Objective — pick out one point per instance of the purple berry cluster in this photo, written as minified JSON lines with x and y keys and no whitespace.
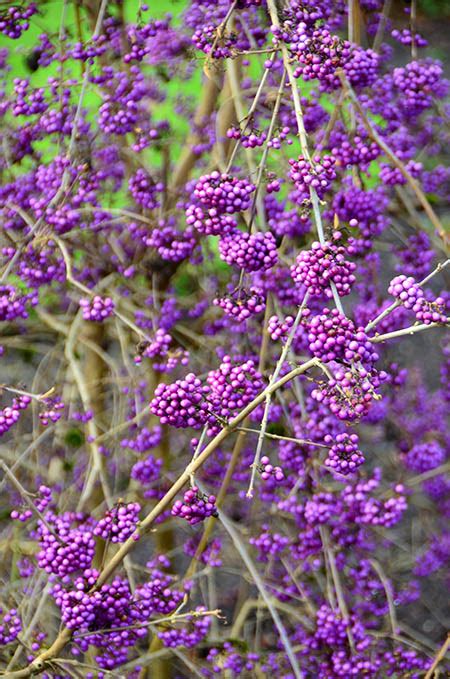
{"x":280,"y":329}
{"x":370,"y":510}
{"x":147,"y":470}
{"x":51,"y":410}
{"x":232,"y":386}
{"x":97,"y":309}
{"x":317,"y":174}
{"x":405,"y":289}
{"x":241,"y":304}
{"x":269,"y":543}
{"x":207,"y":40}
{"x":344,"y":455}
{"x":410,"y":294}
{"x":43,"y":499}
{"x":406,"y":37}
{"x":249,"y":141}
{"x":416,"y":83}
{"x":267,"y":470}
{"x":195,"y":631}
{"x":182,"y":403}
{"x":350,"y":392}
{"x":319,"y":52}
{"x":171,"y":244}
{"x":210,"y":221}
{"x":13,"y":304}
{"x":119,"y":523}
{"x":11,"y":414}
{"x":195,"y":506}
{"x":68,"y":547}
{"x":144,"y":190}
{"x":10,"y":626}
{"x":249,"y":251}
{"x":14,"y":20}
{"x":333,"y":337}
{"x":111,"y":607}
{"x":322,"y":264}
{"x":423,"y":457}
{"x":224,"y":192}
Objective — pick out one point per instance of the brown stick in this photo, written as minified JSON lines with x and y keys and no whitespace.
{"x":440,"y":656}
{"x":210,"y":93}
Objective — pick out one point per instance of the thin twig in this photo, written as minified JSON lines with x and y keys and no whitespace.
{"x":439,"y":657}
{"x":423,"y":200}
{"x":238,"y":543}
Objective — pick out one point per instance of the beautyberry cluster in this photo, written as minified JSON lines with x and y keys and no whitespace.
{"x":10,"y":414}
{"x":322,"y":264}
{"x":344,"y":455}
{"x":249,"y":251}
{"x":119,"y":522}
{"x":195,"y":506}
{"x":333,"y":337}
{"x":317,"y":174}
{"x":10,"y":626}
{"x":66,"y":543}
{"x":241,"y":304}
{"x":43,"y":499}
{"x":97,"y":308}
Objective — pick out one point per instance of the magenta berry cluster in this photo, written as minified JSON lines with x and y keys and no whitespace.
{"x":10,"y":626}
{"x":41,"y":502}
{"x":249,"y":251}
{"x":182,"y":403}
{"x":195,"y":630}
{"x":9,"y":415}
{"x":232,"y":386}
{"x":224,"y":192}
{"x":14,"y":19}
{"x":405,"y":289}
{"x":279,"y":329}
{"x":66,"y":543}
{"x":317,"y":174}
{"x":119,"y":522}
{"x":322,"y":265}
{"x":242,"y":304}
{"x":195,"y":506}
{"x":411,"y":296}
{"x":51,"y":410}
{"x":97,"y":309}
{"x":423,"y":457}
{"x":344,"y":455}
{"x":350,"y":392}
{"x":145,"y":190}
{"x":210,"y":221}
{"x":267,"y":470}
{"x":334,"y":337}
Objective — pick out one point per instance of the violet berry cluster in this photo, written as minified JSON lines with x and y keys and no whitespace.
{"x":119,"y":522}
{"x":41,"y":502}
{"x":410,"y":294}
{"x":97,"y":309}
{"x":249,"y":251}
{"x":344,"y":455}
{"x":317,"y":174}
{"x":241,"y":304}
{"x":334,"y":337}
{"x":324,"y":264}
{"x":195,"y":506}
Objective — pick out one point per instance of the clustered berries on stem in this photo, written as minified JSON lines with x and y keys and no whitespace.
{"x":202,"y":356}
